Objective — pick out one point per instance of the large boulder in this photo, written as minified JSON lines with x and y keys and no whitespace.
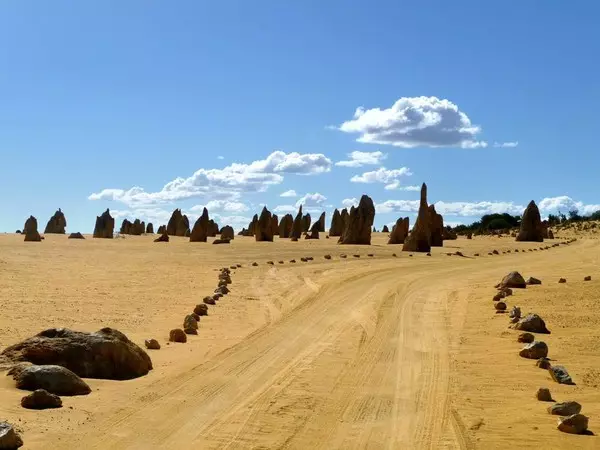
{"x":399,"y":231}
{"x":9,"y":438}
{"x":227,"y":232}
{"x":251,"y":227}
{"x":298,"y":225}
{"x":264,"y":227}
{"x":149,"y":228}
{"x":534,"y":350}
{"x":532,"y":323}
{"x":512,"y":280}
{"x":358,"y":227}
{"x":574,"y":424}
{"x":178,"y":225}
{"x":436,"y":228}
{"x":105,"y":226}
{"x":30,"y":230}
{"x":285,"y":226}
{"x":335,"y":229}
{"x":41,"y":399}
{"x":107,"y":353}
{"x":55,"y":379}
{"x":560,"y":375}
{"x":419,"y":238}
{"x":531,"y":229}
{"x":56,"y":224}
{"x":200,"y":231}
{"x":275,"y":225}
{"x":564,"y":409}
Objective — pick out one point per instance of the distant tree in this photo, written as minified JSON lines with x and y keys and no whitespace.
{"x":574,"y":216}
{"x":553,"y":219}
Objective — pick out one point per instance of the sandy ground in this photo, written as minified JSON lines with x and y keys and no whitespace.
{"x":370,"y":352}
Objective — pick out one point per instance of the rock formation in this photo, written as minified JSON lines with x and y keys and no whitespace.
{"x":162,"y":229}
{"x":125,"y":227}
{"x":344,"y":219}
{"x":41,"y":399}
{"x":399,"y":231}
{"x":164,"y":237}
{"x":335,"y":229}
{"x":105,"y":226}
{"x":30,"y":230}
{"x":321,"y":222}
{"x":419,"y":238}
{"x":263,"y":230}
{"x":227,"y":232}
{"x":77,"y":235}
{"x":285,"y":226}
{"x":436,"y":228}
{"x":275,"y":225}
{"x":251,"y":227}
{"x":200,"y":231}
{"x":178,"y":225}
{"x":298,"y":225}
{"x":314,"y":231}
{"x":149,"y":228}
{"x":213,"y":228}
{"x":9,"y":438}
{"x":385,"y":229}
{"x":53,"y":378}
{"x":57,"y":223}
{"x":306,"y":221}
{"x":106,"y":353}
{"x":448,"y":234}
{"x":531,"y":229}
{"x":357,"y":229}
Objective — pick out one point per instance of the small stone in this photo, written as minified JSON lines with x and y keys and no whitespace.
{"x":356,"y":256}
{"x":560,"y":375}
{"x":201,"y":309}
{"x":292,"y":261}
{"x":9,"y":438}
{"x":152,"y":344}
{"x":190,"y":325}
{"x":532,"y":281}
{"x":575,"y":424}
{"x":428,"y":254}
{"x":370,"y":255}
{"x":543,"y":395}
{"x":588,"y":278}
{"x":209,"y":300}
{"x":543,"y":363}
{"x":562,"y":280}
{"x":327,"y":256}
{"x":280,"y":262}
{"x":534,"y":350}
{"x":526,"y":338}
{"x":343,"y":256}
{"x":500,"y":306}
{"x":564,"y":409}
{"x":177,"y":335}
{"x":270,"y":263}
{"x":41,"y":399}
{"x":255,"y":264}
{"x":499,"y":296}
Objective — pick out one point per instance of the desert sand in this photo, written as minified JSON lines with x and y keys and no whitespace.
{"x":370,"y":352}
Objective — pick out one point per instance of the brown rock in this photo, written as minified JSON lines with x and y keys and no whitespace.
{"x":178,"y":225}
{"x":298,"y":225}
{"x":321,"y":223}
{"x":164,"y":237}
{"x":149,"y":228}
{"x":275,"y":225}
{"x":77,"y":235}
{"x":543,"y":395}
{"x":587,"y":278}
{"x":335,"y":229}
{"x":105,"y":226}
{"x":152,"y":344}
{"x":285,"y":226}
{"x":526,"y":338}
{"x":201,"y":309}
{"x":177,"y":335}
{"x":30,"y":230}
{"x":41,"y":399}
{"x":399,"y":231}
{"x":531,"y":229}
{"x":52,"y":378}
{"x":264,"y":227}
{"x":358,"y":227}
{"x":162,"y":229}
{"x":227,"y":232}
{"x":314,"y":231}
{"x":306,"y":221}
{"x":512,"y":280}
{"x":9,"y":438}
{"x":212,"y":229}
{"x":575,"y":424}
{"x":419,"y":238}
{"x":190,"y":324}
{"x":436,"y":228}
{"x":106,"y":353}
{"x":56,"y":224}
{"x":562,"y":280}
{"x":201,"y":228}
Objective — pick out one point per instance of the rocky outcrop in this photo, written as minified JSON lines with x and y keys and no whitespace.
{"x":138,"y":228}
{"x":358,"y":227}
{"x":162,"y":229}
{"x":385,"y":229}
{"x":306,"y":221}
{"x":212,"y":229}
{"x":227,"y":232}
{"x":314,"y":231}
{"x":532,"y":323}
{"x":264,"y":227}
{"x":105,"y":226}
{"x":164,"y":237}
{"x":275,"y":225}
{"x":419,"y":238}
{"x":436,"y":228}
{"x":298,"y":225}
{"x":513,"y":280}
{"x":52,"y":378}
{"x":56,"y":224}
{"x":531,"y":229}
{"x":251,"y":227}
{"x":77,"y":235}
{"x":30,"y":230}
{"x":574,"y":424}
{"x":149,"y":228}
{"x":106,"y":353}
{"x":321,"y":222}
{"x":335,"y":229}
{"x":41,"y":399}
{"x":534,"y":350}
{"x":285,"y":226}
{"x":9,"y":438}
{"x":200,"y":231}
{"x":125,"y":227}
{"x":399,"y":231}
{"x":179,"y":224}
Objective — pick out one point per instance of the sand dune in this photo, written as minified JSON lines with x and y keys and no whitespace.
{"x":369,"y":352}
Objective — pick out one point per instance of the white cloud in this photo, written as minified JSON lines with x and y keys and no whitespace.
{"x":311,"y":200}
{"x":220,"y":157}
{"x":227,"y":183}
{"x":415,"y":122}
{"x":285,"y":209}
{"x":506,"y":144}
{"x":221,"y":205}
{"x":395,"y":186}
{"x":565,"y":204}
{"x":396,"y":206}
{"x":359,"y":159}
{"x":290,"y":193}
{"x":349,"y":202}
{"x":383,"y":175}
{"x":465,"y":209}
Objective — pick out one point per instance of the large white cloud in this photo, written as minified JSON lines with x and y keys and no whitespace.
{"x":221,"y":205}
{"x":359,"y":159}
{"x":415,"y":122}
{"x":382,"y":175}
{"x":227,"y":183}
{"x":311,"y":200}
{"x":350,"y":202}
{"x":465,"y":209}
{"x":565,"y":204}
{"x":290,"y":193}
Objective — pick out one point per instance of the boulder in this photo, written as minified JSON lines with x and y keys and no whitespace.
{"x":41,"y":399}
{"x":56,"y":224}
{"x":164,"y":237}
{"x":30,"y":230}
{"x":105,"y":226}
{"x":543,"y":363}
{"x":419,"y":238}
{"x":399,"y":231}
{"x":436,"y":228}
{"x":564,"y":409}
{"x":385,"y":229}
{"x":221,"y":241}
{"x":227,"y":232}
{"x":152,"y":344}
{"x":298,"y":225}
{"x":335,"y":229}
{"x":321,"y":222}
{"x":200,"y":231}
{"x":177,"y":335}
{"x":526,"y":338}
{"x":285,"y":226}
{"x":77,"y":235}
{"x":126,"y":226}
{"x":138,"y":227}
{"x":357,"y":230}
{"x":515,"y":314}
{"x":106,"y":353}
{"x":149,"y":228}
{"x":543,"y":395}
{"x":162,"y":229}
{"x":500,"y":306}
{"x":532,"y":323}
{"x":263,"y":231}
{"x":314,"y":231}
{"x":534,"y":350}
{"x":560,"y":375}
{"x":531,"y":229}
{"x":53,"y":378}
{"x":178,"y":225}
{"x":533,"y":281}
{"x":512,"y":280}
{"x":190,"y":325}
{"x":201,"y":309}
{"x":562,"y":280}
{"x":9,"y":438}
{"x":575,"y":424}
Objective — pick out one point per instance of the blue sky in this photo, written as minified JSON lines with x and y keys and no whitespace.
{"x":142,"y":107}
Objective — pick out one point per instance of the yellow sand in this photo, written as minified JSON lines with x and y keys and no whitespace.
{"x":371,"y":352}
